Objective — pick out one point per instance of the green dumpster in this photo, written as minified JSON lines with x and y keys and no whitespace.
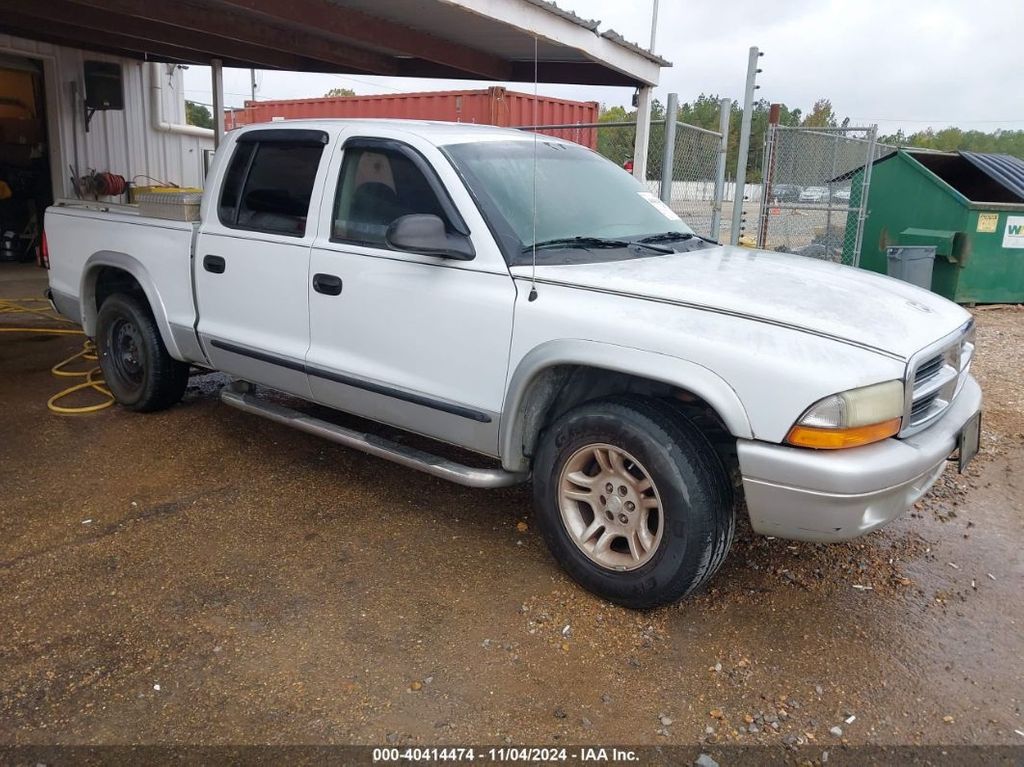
{"x":969,"y":206}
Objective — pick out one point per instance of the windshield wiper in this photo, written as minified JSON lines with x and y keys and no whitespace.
{"x":674,"y":237}
{"x":592,"y":242}
{"x":577,"y":242}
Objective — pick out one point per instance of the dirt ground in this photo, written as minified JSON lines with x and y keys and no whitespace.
{"x":203,"y":576}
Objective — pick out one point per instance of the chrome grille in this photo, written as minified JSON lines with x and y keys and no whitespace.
{"x":927,"y":369}
{"x":922,"y":406}
{"x":935,"y":375}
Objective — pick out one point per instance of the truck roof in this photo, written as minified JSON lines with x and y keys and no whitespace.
{"x":435,"y":131}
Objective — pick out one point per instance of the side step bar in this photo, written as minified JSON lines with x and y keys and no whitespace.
{"x":369,"y":443}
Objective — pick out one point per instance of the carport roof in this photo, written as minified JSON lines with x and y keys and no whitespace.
{"x":471,"y":39}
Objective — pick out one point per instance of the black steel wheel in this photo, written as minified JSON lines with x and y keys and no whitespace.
{"x":138,"y":370}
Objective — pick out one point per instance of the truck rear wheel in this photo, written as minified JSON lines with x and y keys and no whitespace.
{"x":139,"y":372}
{"x":633,"y":501}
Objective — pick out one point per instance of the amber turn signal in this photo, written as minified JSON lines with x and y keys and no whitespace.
{"x":836,"y":439}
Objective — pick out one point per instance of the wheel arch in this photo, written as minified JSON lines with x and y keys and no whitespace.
{"x":105,"y":265}
{"x":535,"y":388}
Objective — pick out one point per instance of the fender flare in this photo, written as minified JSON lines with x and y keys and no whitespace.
{"x":663,"y":368}
{"x":136,"y":269}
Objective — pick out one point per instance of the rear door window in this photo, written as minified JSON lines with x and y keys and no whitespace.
{"x":269,"y":185}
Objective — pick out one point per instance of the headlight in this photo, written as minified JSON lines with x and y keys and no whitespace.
{"x":851,"y":418}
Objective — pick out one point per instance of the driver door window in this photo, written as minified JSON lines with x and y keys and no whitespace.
{"x":376,"y":187}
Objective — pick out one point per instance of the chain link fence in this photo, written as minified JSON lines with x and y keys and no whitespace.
{"x":691,"y":180}
{"x":816,"y":183}
{"x":687,"y":184}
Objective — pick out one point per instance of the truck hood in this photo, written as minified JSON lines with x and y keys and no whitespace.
{"x":851,"y":305}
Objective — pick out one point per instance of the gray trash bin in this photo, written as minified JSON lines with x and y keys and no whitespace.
{"x":912,"y":263}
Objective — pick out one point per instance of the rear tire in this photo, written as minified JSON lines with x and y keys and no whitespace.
{"x":662,"y":529}
{"x":139,"y":372}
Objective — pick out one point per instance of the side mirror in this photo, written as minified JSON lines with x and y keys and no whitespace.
{"x":425,"y":233}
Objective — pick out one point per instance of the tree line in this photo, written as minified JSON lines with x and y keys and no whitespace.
{"x":704,"y":113}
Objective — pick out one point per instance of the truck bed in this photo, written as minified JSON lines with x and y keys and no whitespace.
{"x":82,"y":235}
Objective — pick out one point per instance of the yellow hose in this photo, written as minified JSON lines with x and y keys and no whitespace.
{"x":55,"y":331}
{"x":92,"y":381}
{"x":91,"y":376}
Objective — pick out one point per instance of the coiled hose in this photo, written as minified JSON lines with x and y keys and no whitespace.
{"x":91,"y":377}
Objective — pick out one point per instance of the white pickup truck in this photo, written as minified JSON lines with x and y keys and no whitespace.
{"x":526,"y":300}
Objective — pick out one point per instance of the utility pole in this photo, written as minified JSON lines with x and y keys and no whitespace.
{"x":654,"y":25}
{"x":642,"y":102}
{"x":252,"y":84}
{"x":642,"y":138}
{"x":741,"y":163}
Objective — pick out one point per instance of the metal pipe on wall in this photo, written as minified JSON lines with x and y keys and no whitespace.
{"x":156,"y":108}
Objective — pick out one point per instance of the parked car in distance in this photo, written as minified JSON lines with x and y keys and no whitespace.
{"x":814,"y":194}
{"x":785,"y":192}
{"x":842,"y":194}
{"x":524,"y":299}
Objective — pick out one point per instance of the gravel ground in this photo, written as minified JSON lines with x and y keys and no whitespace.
{"x":203,"y":576}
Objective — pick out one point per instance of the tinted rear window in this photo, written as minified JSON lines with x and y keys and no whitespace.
{"x":269,"y":186}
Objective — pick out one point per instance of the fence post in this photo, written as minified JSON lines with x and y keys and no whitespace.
{"x":724,"y":109}
{"x":767,"y":166}
{"x":862,"y":214}
{"x":741,"y":164}
{"x":668,"y":155}
{"x":767,"y":172}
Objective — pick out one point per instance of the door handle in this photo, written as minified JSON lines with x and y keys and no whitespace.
{"x":214,"y":264}
{"x":328,"y":284}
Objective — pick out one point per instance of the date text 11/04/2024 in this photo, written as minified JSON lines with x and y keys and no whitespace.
{"x":503,"y":754}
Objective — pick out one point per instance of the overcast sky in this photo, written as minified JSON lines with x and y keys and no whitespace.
{"x":897,"y":63}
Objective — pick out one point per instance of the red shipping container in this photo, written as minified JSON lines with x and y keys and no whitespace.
{"x":492,"y":106}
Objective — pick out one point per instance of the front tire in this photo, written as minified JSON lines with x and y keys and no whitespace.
{"x":633,"y":501}
{"x":139,"y":372}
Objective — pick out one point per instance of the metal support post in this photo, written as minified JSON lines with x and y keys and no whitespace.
{"x":217,"y":85}
{"x":668,"y":156}
{"x":741,"y":164}
{"x":642,"y":141}
{"x":724,"y":109}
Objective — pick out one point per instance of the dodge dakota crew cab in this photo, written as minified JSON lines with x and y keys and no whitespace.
{"x":528,"y":301}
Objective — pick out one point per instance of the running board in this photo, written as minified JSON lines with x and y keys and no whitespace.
{"x":372,"y":444}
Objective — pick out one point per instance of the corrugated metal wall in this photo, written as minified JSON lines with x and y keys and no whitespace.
{"x":119,"y":141}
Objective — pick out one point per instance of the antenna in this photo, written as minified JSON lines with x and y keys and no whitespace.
{"x":533,"y":266}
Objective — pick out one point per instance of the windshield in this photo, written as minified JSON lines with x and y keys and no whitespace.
{"x":579,"y":194}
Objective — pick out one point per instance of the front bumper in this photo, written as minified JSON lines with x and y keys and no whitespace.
{"x":836,"y":495}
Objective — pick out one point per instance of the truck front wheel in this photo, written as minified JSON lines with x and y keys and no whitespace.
{"x":633,"y":501}
{"x":139,"y":372}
